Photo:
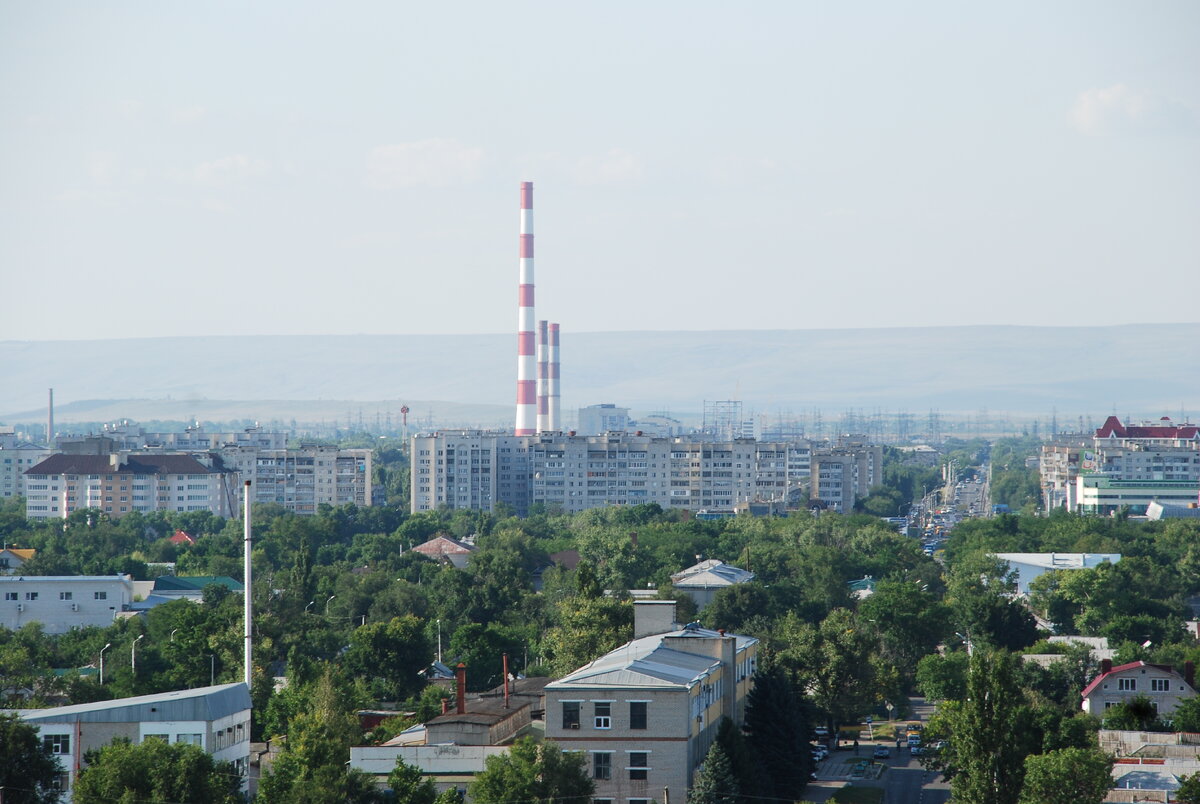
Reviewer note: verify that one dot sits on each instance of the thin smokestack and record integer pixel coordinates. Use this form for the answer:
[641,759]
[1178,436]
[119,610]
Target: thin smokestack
[543,382]
[460,681]
[555,422]
[526,371]
[50,421]
[248,584]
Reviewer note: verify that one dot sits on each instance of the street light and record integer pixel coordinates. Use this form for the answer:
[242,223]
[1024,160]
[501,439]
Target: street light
[331,597]
[309,606]
[106,647]
[212,669]
[173,630]
[133,654]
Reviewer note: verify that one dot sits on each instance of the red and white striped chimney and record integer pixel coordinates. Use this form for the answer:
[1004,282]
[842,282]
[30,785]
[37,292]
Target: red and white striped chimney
[526,370]
[543,378]
[554,419]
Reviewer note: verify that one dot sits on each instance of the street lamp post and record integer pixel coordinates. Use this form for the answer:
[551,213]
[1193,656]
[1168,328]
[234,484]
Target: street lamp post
[212,669]
[133,654]
[331,597]
[106,647]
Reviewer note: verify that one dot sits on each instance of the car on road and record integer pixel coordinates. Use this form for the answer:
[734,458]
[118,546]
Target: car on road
[916,750]
[882,752]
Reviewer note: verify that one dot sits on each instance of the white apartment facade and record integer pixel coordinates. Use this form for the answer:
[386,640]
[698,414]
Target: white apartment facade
[215,718]
[303,478]
[62,603]
[120,482]
[602,418]
[474,469]
[17,457]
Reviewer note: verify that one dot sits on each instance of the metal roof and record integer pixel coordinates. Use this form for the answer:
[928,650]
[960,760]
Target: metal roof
[202,703]
[648,663]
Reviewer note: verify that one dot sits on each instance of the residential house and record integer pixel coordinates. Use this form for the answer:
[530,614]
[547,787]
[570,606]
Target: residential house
[1162,684]
[13,558]
[444,549]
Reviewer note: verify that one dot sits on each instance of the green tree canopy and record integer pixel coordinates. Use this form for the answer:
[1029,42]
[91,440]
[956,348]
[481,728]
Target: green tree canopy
[716,783]
[156,771]
[28,771]
[410,786]
[533,773]
[1067,776]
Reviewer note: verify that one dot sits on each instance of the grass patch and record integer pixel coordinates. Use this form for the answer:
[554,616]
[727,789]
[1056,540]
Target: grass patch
[857,795]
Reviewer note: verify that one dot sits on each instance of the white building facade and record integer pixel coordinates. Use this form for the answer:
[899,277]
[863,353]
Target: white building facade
[62,603]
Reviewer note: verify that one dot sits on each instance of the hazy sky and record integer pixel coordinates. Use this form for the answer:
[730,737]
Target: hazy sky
[172,168]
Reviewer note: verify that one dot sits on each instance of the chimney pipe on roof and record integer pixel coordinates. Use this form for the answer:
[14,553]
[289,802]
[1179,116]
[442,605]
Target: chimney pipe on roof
[1189,673]
[1106,665]
[460,681]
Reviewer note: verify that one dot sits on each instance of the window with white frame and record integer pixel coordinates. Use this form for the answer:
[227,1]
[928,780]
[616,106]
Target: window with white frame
[56,743]
[1126,684]
[603,715]
[1160,685]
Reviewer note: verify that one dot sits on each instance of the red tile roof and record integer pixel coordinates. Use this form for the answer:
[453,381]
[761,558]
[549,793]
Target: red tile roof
[443,546]
[1112,428]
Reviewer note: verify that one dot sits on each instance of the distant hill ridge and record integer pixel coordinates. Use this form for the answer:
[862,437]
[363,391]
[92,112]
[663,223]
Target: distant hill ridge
[1133,368]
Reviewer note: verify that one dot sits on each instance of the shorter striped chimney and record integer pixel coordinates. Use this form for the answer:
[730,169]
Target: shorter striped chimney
[543,378]
[552,393]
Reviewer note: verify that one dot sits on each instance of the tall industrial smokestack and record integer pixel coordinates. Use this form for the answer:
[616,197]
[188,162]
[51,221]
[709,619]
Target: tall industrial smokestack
[526,371]
[50,421]
[543,378]
[555,422]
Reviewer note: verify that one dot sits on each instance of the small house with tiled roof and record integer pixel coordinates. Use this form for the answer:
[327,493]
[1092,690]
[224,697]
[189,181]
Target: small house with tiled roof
[443,548]
[13,558]
[182,537]
[1163,685]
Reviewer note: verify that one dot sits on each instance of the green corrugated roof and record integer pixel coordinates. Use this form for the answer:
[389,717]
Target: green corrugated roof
[194,582]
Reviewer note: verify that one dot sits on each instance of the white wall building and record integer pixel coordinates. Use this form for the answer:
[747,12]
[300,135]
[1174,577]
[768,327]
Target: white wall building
[1030,565]
[602,418]
[16,458]
[215,718]
[63,602]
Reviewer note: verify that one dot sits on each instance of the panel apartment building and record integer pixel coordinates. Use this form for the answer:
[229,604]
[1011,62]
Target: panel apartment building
[477,470]
[300,479]
[1122,466]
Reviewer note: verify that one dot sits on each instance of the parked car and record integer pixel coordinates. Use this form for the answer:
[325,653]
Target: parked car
[882,752]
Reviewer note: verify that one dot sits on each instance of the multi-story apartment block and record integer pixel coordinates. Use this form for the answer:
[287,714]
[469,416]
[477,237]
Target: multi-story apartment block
[844,474]
[302,479]
[119,482]
[1120,466]
[63,602]
[646,713]
[15,460]
[470,469]
[475,470]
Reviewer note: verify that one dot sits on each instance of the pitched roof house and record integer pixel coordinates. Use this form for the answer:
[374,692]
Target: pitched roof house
[1162,684]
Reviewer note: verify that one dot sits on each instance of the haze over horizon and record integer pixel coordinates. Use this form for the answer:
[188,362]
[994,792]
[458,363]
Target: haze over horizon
[184,170]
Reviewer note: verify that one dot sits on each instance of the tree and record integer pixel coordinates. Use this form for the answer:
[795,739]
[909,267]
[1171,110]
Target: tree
[313,766]
[1186,716]
[1067,776]
[391,654]
[943,678]
[410,786]
[1189,789]
[746,765]
[833,662]
[1136,714]
[156,771]
[533,774]
[715,783]
[28,772]
[987,734]
[777,726]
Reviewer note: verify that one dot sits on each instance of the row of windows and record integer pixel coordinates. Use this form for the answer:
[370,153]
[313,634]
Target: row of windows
[61,595]
[602,714]
[1156,685]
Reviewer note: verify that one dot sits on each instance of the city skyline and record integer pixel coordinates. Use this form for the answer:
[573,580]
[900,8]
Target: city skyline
[304,170]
